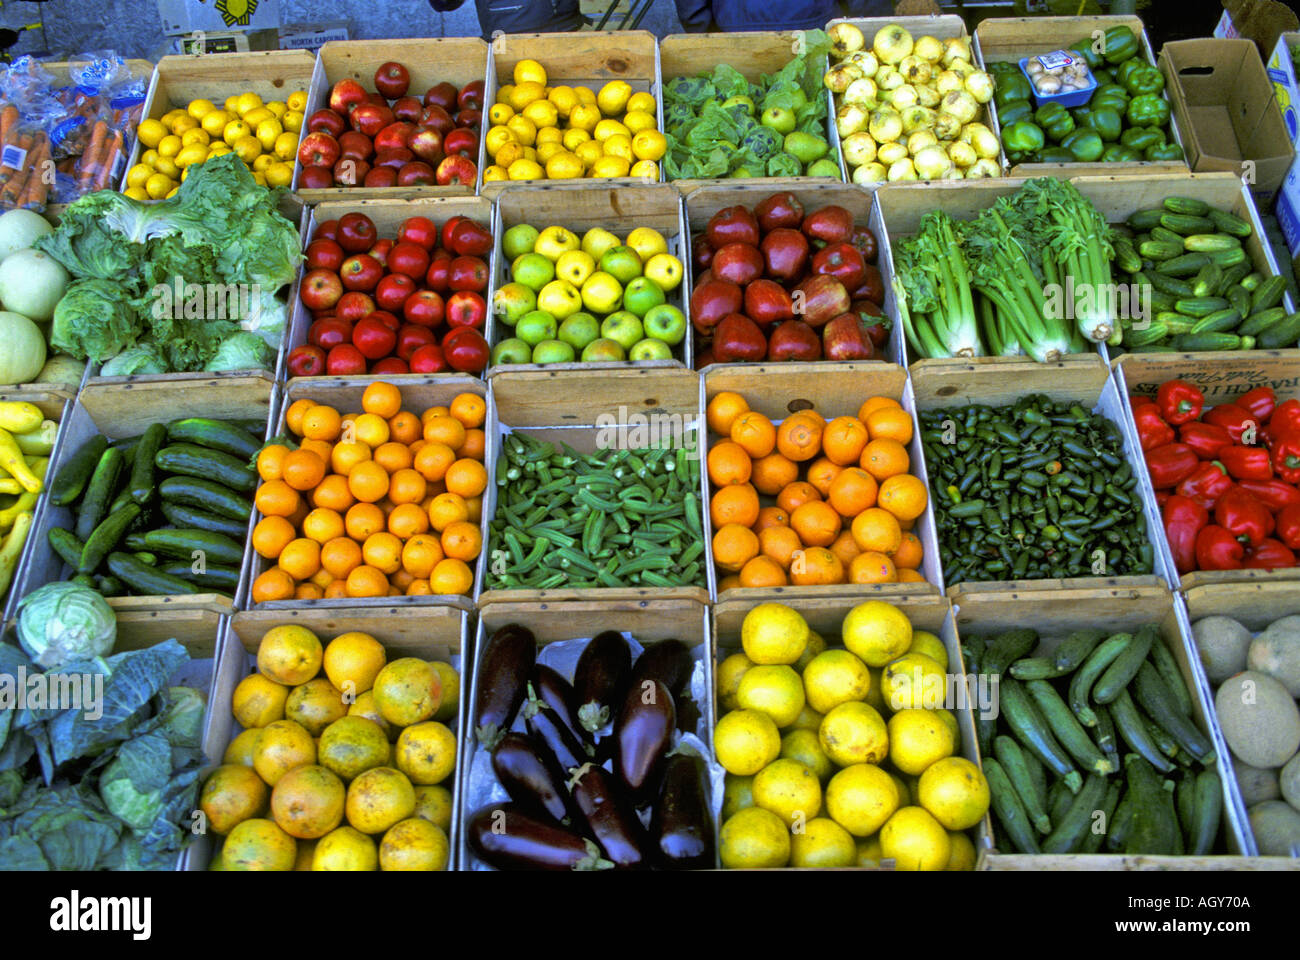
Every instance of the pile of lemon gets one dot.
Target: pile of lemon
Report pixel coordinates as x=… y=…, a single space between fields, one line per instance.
x=264 y=135
x=567 y=132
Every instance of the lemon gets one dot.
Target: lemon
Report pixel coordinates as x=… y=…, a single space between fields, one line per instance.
x=149 y=158
x=585 y=95
x=835 y=677
x=822 y=843
x=868 y=852
x=545 y=151
x=215 y=121
x=645 y=169
x=450 y=690
x=737 y=794
x=234 y=130
x=914 y=840
x=619 y=146
x=503 y=93
x=773 y=633
x=649 y=145
x=808 y=719
x=637 y=121
x=525 y=130
x=529 y=71
x=267 y=131
x=550 y=135
x=194 y=153
x=954 y=792
x=283 y=746
x=199 y=108
x=434 y=804
x=240 y=750
x=730 y=672
x=754 y=839
x=961 y=855
x=494 y=173
x=745 y=741
x=525 y=93
x=184 y=124
x=292 y=121
x=774 y=690
x=641 y=103
x=574 y=137
x=297 y=101
x=286 y=146
x=137 y=175
x=950 y=718
x=218 y=148
x=196 y=136
x=542 y=113
x=499 y=113
x=923 y=641
x=247 y=102
x=803 y=747
x=509 y=153
x=613 y=97
x=345 y=848
x=525 y=169
x=151 y=132
x=497 y=137
x=904 y=793
x=607 y=128
x=258 y=844
x=646 y=243
x=168 y=168
x=426 y=752
x=414 y=844
x=917 y=738
x=231 y=103
x=278 y=108
x=913 y=681
x=861 y=798
x=584 y=117
x=790 y=790
x=854 y=733
x=877 y=632
x=875 y=695
x=589 y=152
x=564 y=99
x=352 y=745
x=379 y=799
x=169 y=145
x=247 y=148
x=136 y=193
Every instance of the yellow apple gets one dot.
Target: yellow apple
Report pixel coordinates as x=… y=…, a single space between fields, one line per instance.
x=647 y=242
x=602 y=294
x=665 y=270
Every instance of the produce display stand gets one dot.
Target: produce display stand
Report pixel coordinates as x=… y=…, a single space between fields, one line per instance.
x=589 y=59
x=832 y=390
x=580 y=207
x=1111 y=610
x=647 y=621
x=1014 y=38
x=754 y=55
x=429 y=60
x=824 y=615
x=428 y=632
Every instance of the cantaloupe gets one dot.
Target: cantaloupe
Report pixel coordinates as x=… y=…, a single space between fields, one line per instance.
x=1223 y=643
x=1259 y=719
x=1276 y=827
x=1290 y=781
x=1276 y=652
x=1256 y=783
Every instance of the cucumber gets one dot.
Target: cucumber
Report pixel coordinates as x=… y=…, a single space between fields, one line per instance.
x=75 y=473
x=1283 y=334
x=1185 y=802
x=1132 y=727
x=1211 y=242
x=1124 y=667
x=216 y=548
x=1161 y=251
x=1208 y=810
x=1189 y=206
x=140 y=487
x=1151 y=691
x=1092 y=668
x=191 y=460
x=1126 y=257
x=1155 y=827
x=1035 y=668
x=1267 y=294
x=1200 y=306
x=84 y=580
x=1226 y=222
x=145 y=557
x=1103 y=735
x=1221 y=321
x=110 y=586
x=1252 y=280
x=1066 y=728
x=121 y=500
x=105 y=537
x=66 y=545
x=1227 y=258
x=1144 y=220
x=1209 y=341
x=1232 y=277
x=1093 y=841
x=1175 y=322
x=1032 y=730
x=145 y=580
x=134 y=540
x=207 y=496
x=1186 y=265
x=1010 y=811
x=1257 y=323
x=1172 y=286
x=1239 y=299
x=1076 y=648
x=225 y=579
x=183 y=515
x=99 y=493
x=1207 y=280
x=1154 y=333
x=1184 y=224
x=1070 y=831
x=1163 y=660
x=1159 y=299
x=221 y=435
x=1012 y=759
x=1162 y=235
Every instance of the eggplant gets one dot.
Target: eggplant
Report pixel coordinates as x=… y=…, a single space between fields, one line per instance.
x=557 y=693
x=600 y=679
x=509 y=838
x=507 y=660
x=669 y=662
x=688 y=715
x=642 y=735
x=548 y=727
x=681 y=829
x=532 y=779
x=612 y=819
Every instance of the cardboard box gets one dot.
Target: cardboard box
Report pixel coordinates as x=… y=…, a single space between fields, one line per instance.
x=1224 y=29
x=226 y=41
x=217 y=16
x=312 y=36
x=1223 y=102
x=1286 y=91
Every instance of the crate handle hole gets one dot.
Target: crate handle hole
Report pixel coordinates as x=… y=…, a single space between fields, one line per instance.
x=946 y=391
x=794 y=406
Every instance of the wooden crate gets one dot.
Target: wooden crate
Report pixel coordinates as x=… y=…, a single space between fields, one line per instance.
x=1000 y=39
x=577 y=59
x=21 y=391
x=1054 y=616
x=754 y=55
x=429 y=633
x=825 y=614
x=582 y=208
x=778 y=390
x=430 y=60
x=647 y=621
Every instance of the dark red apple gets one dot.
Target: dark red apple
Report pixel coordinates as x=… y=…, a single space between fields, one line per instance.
x=819 y=298
x=315 y=178
x=355 y=146
x=392 y=79
x=779 y=210
x=701 y=252
x=329 y=333
x=461 y=142
x=872 y=286
x=468 y=273
x=794 y=340
x=471 y=96
x=387 y=319
x=326 y=121
x=357 y=232
x=449 y=228
x=738 y=262
x=732 y=225
x=877 y=323
x=737 y=339
x=407 y=109
x=426 y=143
x=380 y=250
x=712 y=301
x=428 y=359
x=466 y=350
x=374 y=338
x=361 y=271
x=419 y=231
x=785 y=254
x=410 y=259
x=865 y=241
x=443 y=95
x=768 y=303
x=424 y=307
x=350 y=173
x=324 y=255
x=701 y=279
x=412 y=336
x=380 y=177
x=457 y=171
x=469 y=238
x=841 y=261
x=438 y=118
x=345 y=360
x=395 y=136
x=470 y=119
x=326 y=230
x=465 y=308
x=703 y=358
x=318 y=150
x=345 y=95
x=390 y=366
x=320 y=289
x=306 y=361
x=829 y=224
x=415 y=173
x=393 y=291
x=354 y=305
x=370 y=118
x=846 y=338
x=439 y=271
x=394 y=159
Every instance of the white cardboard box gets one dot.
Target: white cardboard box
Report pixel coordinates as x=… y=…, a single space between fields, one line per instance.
x=1224 y=29
x=312 y=36
x=1286 y=89
x=222 y=16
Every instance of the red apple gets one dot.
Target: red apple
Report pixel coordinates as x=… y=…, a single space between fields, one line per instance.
x=449 y=228
x=389 y=366
x=306 y=361
x=846 y=338
x=320 y=289
x=785 y=254
x=380 y=250
x=701 y=279
x=374 y=338
x=395 y=136
x=419 y=231
x=378 y=99
x=439 y=273
x=768 y=303
x=424 y=307
x=324 y=255
x=872 y=286
x=361 y=271
x=865 y=241
x=394 y=159
x=392 y=79
x=841 y=261
x=732 y=225
x=355 y=146
x=779 y=210
x=412 y=336
x=877 y=323
x=713 y=300
x=387 y=319
x=426 y=143
x=457 y=171
x=346 y=95
x=428 y=359
x=357 y=232
x=468 y=273
x=829 y=224
x=370 y=118
x=326 y=230
x=326 y=121
x=438 y=118
x=381 y=177
x=465 y=308
x=329 y=333
x=318 y=150
x=409 y=259
x=469 y=238
x=470 y=119
x=315 y=178
x=393 y=291
x=738 y=262
x=701 y=252
x=350 y=173
x=794 y=340
x=737 y=339
x=443 y=95
x=466 y=350
x=407 y=109
x=461 y=142
x=354 y=305
x=820 y=298
x=471 y=96
x=345 y=360
x=415 y=173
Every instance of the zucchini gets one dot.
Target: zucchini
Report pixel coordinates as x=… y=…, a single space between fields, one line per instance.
x=1092 y=668
x=141 y=485
x=183 y=515
x=1186 y=265
x=1221 y=321
x=99 y=492
x=66 y=545
x=1163 y=741
x=145 y=557
x=1208 y=341
x=215 y=548
x=1103 y=734
x=1185 y=802
x=75 y=473
x=1159 y=702
x=1230 y=223
x=84 y=580
x=1200 y=306
x=1163 y=660
x=1155 y=826
x=221 y=435
x=1144 y=220
x=207 y=496
x=1035 y=668
x=1058 y=800
x=223 y=578
x=1208 y=810
x=1184 y=224
x=1285 y=333
x=1092 y=842
x=1267 y=294
x=1075 y=649
x=1257 y=323
x=1070 y=831
x=1037 y=773
x=1132 y=727
x=1172 y=286
x=1032 y=730
x=1122 y=823
x=1211 y=242
x=1171 y=814
x=145 y=580
x=1124 y=667
x=1012 y=759
x=1161 y=251
x=1066 y=728
x=134 y=540
x=105 y=537
x=1007 y=647
x=1010 y=811
x=1189 y=206
x=191 y=460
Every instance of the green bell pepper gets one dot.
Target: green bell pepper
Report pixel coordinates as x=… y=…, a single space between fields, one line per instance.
x=1148 y=110
x=1140 y=138
x=1103 y=76
x=1084 y=49
x=1015 y=111
x=1021 y=138
x=1109 y=91
x=1081 y=115
x=1144 y=79
x=1118 y=153
x=1124 y=69
x=1085 y=145
x=1167 y=151
x=1119 y=44
x=1011 y=87
x=1055 y=155
x=1054 y=120
x=1108 y=122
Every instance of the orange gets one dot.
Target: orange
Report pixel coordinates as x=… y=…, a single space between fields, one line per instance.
x=729 y=463
x=405 y=427
x=370 y=429
x=368 y=481
x=402 y=578
x=321 y=423
x=462 y=541
x=872 y=404
x=475 y=507
x=336 y=590
x=904 y=496
x=433 y=459
x=845 y=547
x=771 y=473
x=466 y=478
x=822 y=473
x=363 y=519
x=800 y=436
x=722 y=411
x=853 y=491
x=909 y=554
x=294 y=416
x=345 y=456
x=906 y=575
x=734 y=504
x=470 y=409
x=393 y=456
x=340 y=556
x=382 y=399
x=383 y=551
x=308 y=591
x=885 y=458
x=816 y=566
x=299 y=515
x=322 y=577
x=843 y=440
x=762 y=572
x=451 y=576
x=445 y=429
x=333 y=494
x=895 y=424
x=407 y=486
x=366 y=581
x=434 y=412
x=407 y=520
x=419 y=588
x=734 y=546
x=323 y=524
x=794 y=495
x=303 y=470
x=780 y=544
x=446 y=509
x=322 y=448
x=271 y=535
x=301 y=558
x=771 y=517
x=475 y=445
x=270 y=461
x=420 y=555
x=755 y=433
x=906 y=525
x=872 y=567
x=729 y=582
x=876 y=530
x=272 y=584
x=275 y=498
x=816 y=523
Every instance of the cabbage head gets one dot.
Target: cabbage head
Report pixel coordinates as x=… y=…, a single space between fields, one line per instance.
x=63 y=622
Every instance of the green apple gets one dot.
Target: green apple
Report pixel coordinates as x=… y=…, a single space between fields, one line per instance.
x=622 y=263
x=596 y=241
x=825 y=167
x=575 y=266
x=512 y=301
x=642 y=294
x=623 y=328
x=650 y=349
x=601 y=293
x=579 y=330
x=665 y=322
x=603 y=351
x=518 y=240
x=665 y=270
x=533 y=270
x=554 y=351
x=779 y=119
x=536 y=326
x=512 y=350
x=560 y=299
x=554 y=242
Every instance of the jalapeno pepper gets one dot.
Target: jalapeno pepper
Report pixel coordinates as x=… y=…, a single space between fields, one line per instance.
x=1119 y=44
x=1084 y=144
x=1148 y=110
x=1054 y=120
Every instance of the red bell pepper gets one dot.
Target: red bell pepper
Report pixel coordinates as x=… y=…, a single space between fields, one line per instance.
x=1246 y=463
x=1179 y=401
x=1259 y=402
x=1151 y=427
x=1288 y=525
x=1274 y=494
x=1207 y=483
x=1217 y=549
x=1285 y=418
x=1205 y=438
x=1170 y=464
x=1162 y=497
x=1243 y=516
x=1232 y=418
x=1286 y=456
x=1136 y=400
x=1184 y=519
x=1269 y=555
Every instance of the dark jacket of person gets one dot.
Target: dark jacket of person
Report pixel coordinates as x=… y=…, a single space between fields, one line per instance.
x=519 y=16
x=746 y=15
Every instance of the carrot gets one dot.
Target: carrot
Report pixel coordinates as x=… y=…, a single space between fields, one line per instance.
x=98 y=134
x=109 y=158
x=35 y=190
x=14 y=185
x=8 y=118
